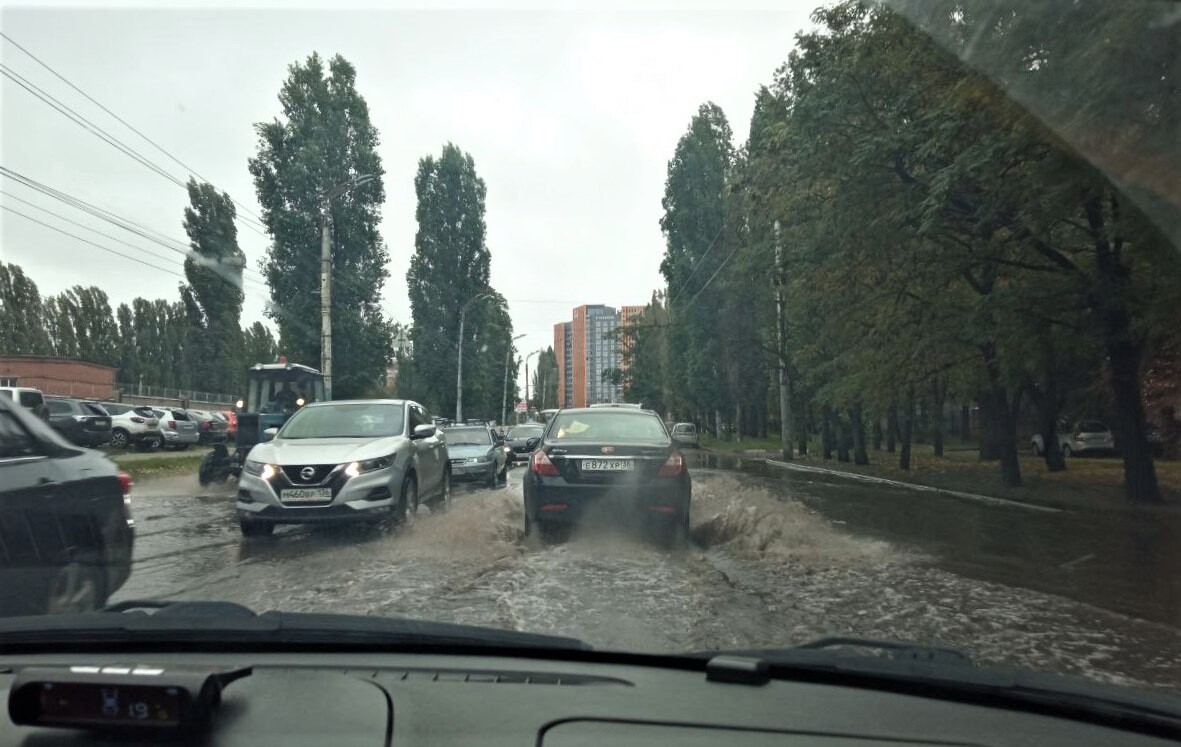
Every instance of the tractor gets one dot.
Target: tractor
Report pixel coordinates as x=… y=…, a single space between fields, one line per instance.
x=274 y=391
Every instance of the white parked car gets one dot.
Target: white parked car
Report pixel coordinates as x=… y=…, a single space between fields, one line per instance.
x=1088 y=437
x=134 y=426
x=28 y=398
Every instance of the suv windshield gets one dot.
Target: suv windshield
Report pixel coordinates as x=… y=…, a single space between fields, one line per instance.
x=345 y=421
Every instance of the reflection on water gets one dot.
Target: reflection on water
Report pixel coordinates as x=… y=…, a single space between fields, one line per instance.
x=1125 y=561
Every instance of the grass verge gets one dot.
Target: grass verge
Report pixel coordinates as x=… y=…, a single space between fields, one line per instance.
x=158 y=466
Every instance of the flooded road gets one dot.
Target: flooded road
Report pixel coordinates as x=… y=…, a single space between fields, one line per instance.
x=775 y=560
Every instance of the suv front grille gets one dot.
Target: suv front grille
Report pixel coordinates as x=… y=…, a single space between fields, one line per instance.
x=295 y=473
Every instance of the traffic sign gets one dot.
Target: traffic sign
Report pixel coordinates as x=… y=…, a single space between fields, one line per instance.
x=521 y=407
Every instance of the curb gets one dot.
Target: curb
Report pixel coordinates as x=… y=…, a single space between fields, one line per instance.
x=912 y=486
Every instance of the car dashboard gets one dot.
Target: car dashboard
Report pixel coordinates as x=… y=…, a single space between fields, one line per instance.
x=431 y=699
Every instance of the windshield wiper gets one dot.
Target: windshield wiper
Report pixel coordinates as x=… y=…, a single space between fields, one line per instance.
x=225 y=626
x=949 y=674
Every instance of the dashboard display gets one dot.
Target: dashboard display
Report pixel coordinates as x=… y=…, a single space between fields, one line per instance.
x=116 y=705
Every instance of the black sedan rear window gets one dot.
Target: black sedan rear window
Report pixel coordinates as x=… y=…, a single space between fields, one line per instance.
x=607 y=426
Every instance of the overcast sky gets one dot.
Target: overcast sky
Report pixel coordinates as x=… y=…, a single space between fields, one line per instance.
x=571 y=118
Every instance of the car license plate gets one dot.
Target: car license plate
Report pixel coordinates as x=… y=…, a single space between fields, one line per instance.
x=608 y=465
x=101 y=423
x=306 y=495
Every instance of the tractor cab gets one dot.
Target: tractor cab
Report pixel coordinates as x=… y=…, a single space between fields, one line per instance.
x=274 y=391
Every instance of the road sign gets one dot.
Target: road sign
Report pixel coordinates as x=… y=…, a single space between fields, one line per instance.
x=521 y=407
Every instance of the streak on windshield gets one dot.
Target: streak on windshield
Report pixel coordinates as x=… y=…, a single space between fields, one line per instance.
x=345 y=421
x=467 y=436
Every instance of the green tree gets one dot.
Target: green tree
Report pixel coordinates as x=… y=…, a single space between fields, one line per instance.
x=315 y=152
x=259 y=346
x=22 y=327
x=543 y=389
x=81 y=325
x=214 y=271
x=449 y=269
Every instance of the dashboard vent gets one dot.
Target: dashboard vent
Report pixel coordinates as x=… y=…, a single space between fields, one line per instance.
x=492 y=677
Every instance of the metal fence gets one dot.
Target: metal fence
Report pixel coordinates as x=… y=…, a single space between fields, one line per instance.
x=181 y=395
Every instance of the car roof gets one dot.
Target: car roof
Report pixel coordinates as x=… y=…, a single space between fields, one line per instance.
x=359 y=402
x=602 y=410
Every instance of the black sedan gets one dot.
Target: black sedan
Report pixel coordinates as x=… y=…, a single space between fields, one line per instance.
x=80 y=422
x=617 y=462
x=65 y=528
x=518 y=439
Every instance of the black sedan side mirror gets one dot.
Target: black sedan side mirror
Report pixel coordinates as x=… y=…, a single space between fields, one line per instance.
x=532 y=443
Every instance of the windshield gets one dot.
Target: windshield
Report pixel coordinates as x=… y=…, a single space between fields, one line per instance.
x=468 y=436
x=606 y=426
x=884 y=293
x=345 y=421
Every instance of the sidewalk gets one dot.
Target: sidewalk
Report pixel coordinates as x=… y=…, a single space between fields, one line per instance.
x=158 y=454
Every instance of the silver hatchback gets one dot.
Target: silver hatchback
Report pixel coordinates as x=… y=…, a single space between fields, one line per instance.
x=177 y=428
x=345 y=461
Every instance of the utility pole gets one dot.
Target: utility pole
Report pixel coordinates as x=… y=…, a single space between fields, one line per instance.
x=459 y=366
x=781 y=328
x=508 y=356
x=326 y=298
x=326 y=276
x=527 y=357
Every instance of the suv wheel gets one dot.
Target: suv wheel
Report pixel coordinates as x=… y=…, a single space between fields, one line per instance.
x=407 y=508
x=119 y=438
x=443 y=502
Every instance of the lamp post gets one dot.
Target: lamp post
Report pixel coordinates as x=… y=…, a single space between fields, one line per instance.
x=527 y=357
x=508 y=356
x=326 y=276
x=459 y=366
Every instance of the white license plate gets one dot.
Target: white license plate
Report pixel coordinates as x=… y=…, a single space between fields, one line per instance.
x=306 y=495
x=608 y=465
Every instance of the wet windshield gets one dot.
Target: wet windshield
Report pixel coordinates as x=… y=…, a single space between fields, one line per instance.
x=468 y=436
x=345 y=421
x=885 y=292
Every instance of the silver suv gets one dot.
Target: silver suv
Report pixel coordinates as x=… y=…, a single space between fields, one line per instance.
x=345 y=461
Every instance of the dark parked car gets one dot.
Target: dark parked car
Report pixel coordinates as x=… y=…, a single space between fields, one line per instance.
x=210 y=428
x=80 y=422
x=518 y=438
x=620 y=461
x=66 y=531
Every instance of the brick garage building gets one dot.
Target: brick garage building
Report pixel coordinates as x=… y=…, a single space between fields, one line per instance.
x=62 y=376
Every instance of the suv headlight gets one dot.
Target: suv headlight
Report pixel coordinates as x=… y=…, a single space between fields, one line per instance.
x=262 y=469
x=369 y=465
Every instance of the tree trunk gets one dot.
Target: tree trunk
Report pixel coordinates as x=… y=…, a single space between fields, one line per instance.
x=989 y=436
x=891 y=427
x=801 y=415
x=859 y=454
x=877 y=431
x=1002 y=419
x=718 y=423
x=965 y=423
x=738 y=422
x=826 y=432
x=906 y=424
x=844 y=437
x=1047 y=400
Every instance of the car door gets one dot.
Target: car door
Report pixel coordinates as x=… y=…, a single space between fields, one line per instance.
x=433 y=450
x=61 y=418
x=29 y=542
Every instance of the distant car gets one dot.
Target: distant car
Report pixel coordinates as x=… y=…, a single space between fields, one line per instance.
x=686 y=435
x=210 y=428
x=476 y=454
x=78 y=421
x=620 y=461
x=1088 y=437
x=177 y=428
x=518 y=438
x=65 y=525
x=133 y=425
x=352 y=460
x=27 y=397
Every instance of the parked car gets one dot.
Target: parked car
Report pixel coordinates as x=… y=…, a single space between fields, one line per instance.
x=476 y=454
x=78 y=421
x=1087 y=437
x=518 y=438
x=133 y=425
x=345 y=461
x=177 y=428
x=621 y=461
x=65 y=522
x=686 y=435
x=210 y=428
x=27 y=397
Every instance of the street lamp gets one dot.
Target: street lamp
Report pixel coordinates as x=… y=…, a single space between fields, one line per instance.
x=508 y=354
x=459 y=366
x=527 y=357
x=326 y=275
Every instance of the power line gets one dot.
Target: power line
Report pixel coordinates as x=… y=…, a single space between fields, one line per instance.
x=253 y=217
x=700 y=262
x=105 y=235
x=106 y=215
x=711 y=277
